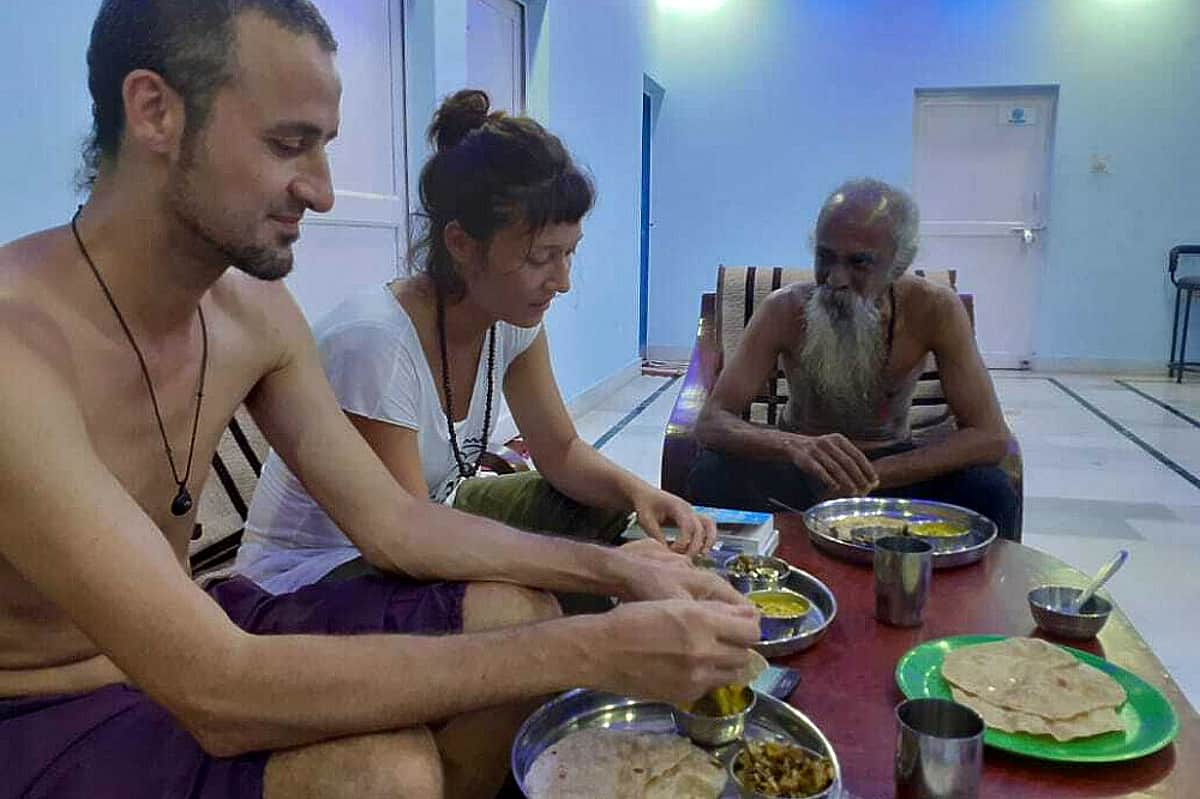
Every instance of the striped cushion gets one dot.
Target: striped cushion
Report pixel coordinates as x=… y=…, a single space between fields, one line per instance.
x=224 y=501
x=741 y=289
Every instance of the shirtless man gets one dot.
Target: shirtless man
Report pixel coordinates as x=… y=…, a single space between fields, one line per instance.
x=853 y=347
x=119 y=677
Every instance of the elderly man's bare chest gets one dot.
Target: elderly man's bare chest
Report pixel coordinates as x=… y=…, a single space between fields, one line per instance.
x=905 y=360
x=877 y=417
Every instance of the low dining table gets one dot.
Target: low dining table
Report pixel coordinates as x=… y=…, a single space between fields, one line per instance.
x=848 y=688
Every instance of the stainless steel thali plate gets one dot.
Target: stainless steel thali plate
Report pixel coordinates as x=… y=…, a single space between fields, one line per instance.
x=812 y=628
x=829 y=528
x=771 y=719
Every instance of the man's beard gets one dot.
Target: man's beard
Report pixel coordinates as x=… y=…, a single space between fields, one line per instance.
x=237 y=248
x=843 y=351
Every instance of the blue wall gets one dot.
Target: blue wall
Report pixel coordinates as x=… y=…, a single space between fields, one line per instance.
x=770 y=103
x=595 y=76
x=47 y=112
x=586 y=86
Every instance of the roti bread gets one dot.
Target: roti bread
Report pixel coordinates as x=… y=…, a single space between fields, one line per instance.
x=613 y=764
x=757 y=665
x=1029 y=685
x=1093 y=722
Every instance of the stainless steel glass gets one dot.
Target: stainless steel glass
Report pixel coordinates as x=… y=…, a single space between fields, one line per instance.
x=939 y=750
x=903 y=567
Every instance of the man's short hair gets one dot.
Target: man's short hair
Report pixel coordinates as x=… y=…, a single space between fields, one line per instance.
x=190 y=43
x=895 y=205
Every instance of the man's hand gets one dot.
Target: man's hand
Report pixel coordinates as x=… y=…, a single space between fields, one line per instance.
x=653 y=549
x=650 y=571
x=839 y=465
x=674 y=651
x=697 y=533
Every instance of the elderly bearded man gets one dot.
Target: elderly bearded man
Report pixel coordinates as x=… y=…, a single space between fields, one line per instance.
x=853 y=347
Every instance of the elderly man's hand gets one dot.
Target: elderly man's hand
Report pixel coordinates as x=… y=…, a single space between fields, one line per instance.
x=650 y=571
x=838 y=464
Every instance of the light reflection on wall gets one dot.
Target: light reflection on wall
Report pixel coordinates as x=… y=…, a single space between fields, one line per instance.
x=690 y=6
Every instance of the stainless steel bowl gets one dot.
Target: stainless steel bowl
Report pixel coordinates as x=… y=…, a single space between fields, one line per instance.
x=773 y=628
x=714 y=730
x=746 y=585
x=813 y=626
x=746 y=793
x=1049 y=605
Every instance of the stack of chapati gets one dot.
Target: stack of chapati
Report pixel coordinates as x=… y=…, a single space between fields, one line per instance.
x=1028 y=685
x=612 y=764
x=623 y=764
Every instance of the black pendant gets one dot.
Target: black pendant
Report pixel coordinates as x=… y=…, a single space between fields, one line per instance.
x=182 y=503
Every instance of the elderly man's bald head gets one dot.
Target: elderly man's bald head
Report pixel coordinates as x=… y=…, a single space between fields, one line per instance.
x=872 y=206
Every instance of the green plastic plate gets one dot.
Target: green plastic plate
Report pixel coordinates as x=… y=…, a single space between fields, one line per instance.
x=1150 y=722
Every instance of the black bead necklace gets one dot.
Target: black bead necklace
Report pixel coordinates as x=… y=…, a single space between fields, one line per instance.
x=183 y=498
x=465 y=469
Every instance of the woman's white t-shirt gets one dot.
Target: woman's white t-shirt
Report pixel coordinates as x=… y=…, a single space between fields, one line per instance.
x=374 y=361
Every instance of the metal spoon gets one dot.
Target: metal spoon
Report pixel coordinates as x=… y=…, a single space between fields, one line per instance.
x=1102 y=577
x=784 y=506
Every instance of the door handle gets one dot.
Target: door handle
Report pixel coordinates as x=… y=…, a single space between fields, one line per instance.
x=1028 y=233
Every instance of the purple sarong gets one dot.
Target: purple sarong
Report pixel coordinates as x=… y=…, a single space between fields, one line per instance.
x=116 y=742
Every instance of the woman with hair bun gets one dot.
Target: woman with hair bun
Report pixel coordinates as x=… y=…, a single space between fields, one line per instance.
x=418 y=364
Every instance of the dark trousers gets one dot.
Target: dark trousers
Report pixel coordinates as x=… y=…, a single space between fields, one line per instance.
x=730 y=481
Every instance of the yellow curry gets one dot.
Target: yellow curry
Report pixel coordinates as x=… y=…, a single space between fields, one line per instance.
x=778 y=605
x=867 y=527
x=724 y=701
x=937 y=529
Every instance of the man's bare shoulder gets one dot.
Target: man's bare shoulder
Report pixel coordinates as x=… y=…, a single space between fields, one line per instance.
x=34 y=246
x=927 y=297
x=32 y=278
x=263 y=317
x=28 y=265
x=45 y=286
x=786 y=305
x=932 y=311
x=263 y=307
x=779 y=319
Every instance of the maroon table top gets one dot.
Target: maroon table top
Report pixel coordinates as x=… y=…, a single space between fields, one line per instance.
x=848 y=689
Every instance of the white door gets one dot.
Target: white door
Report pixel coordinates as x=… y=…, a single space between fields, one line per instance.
x=981 y=175
x=362 y=241
x=496 y=52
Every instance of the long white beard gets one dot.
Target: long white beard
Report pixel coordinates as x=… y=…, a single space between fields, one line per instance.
x=843 y=351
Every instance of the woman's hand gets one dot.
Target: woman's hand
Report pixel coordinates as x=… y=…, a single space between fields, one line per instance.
x=655 y=508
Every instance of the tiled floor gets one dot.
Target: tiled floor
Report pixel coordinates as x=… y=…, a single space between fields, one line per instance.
x=1089 y=489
